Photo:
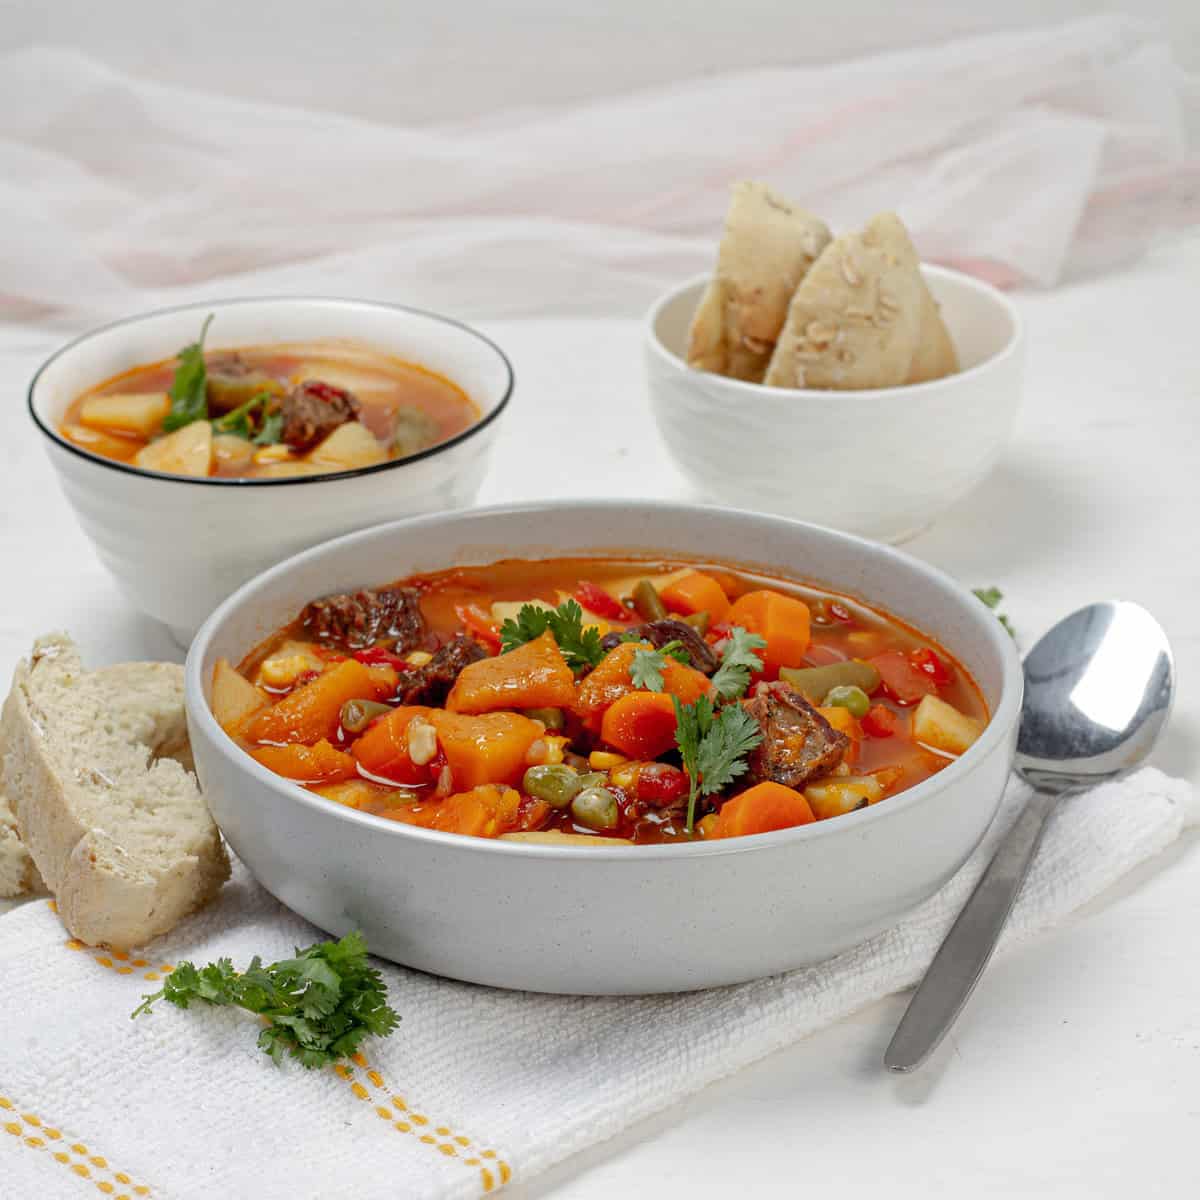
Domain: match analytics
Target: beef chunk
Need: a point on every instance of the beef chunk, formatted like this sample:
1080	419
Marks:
312	411
798	743
659	633
431	683
360	619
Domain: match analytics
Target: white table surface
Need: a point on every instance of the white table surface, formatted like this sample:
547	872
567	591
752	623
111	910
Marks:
1076	1069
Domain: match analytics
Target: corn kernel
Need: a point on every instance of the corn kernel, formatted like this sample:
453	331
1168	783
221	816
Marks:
603	760
418	658
284	671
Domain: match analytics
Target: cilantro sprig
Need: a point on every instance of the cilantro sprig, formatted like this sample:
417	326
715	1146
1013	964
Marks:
712	746
189	388
991	596
738	663
580	646
239	422
646	667
321	1004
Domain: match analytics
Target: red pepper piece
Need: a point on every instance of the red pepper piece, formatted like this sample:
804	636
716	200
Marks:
932	664
900	680
880	722
597	600
660	784
377	656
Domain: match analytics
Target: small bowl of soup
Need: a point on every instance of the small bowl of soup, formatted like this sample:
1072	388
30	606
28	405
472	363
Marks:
199	445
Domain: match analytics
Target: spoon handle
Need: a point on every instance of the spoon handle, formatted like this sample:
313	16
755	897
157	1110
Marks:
954	972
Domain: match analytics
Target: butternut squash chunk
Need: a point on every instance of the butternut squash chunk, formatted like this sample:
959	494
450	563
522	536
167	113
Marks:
534	675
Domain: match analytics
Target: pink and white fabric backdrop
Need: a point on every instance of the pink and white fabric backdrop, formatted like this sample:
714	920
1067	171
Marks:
1025	157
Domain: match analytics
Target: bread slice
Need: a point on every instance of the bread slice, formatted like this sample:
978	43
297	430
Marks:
18	875
768	246
855	320
115	823
935	354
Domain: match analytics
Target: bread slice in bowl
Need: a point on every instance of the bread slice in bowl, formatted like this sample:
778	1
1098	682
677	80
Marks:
768	246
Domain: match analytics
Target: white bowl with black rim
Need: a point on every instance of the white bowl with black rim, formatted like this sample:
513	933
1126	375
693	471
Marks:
607	919
176	545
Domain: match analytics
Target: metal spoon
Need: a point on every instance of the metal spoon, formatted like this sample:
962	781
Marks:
1098	690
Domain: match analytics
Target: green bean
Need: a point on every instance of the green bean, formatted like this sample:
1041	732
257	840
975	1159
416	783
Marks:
596	807
648	602
852	698
817	682
552	718
555	783
358	714
698	621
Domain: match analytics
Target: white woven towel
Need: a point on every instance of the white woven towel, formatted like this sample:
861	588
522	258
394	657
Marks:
476	1087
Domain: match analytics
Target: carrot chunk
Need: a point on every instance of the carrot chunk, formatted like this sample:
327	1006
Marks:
843	720
320	763
784	621
534	675
313	710
762	808
696	592
640	724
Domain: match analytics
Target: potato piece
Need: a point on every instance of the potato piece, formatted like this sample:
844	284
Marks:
508	610
232	453
348	447
289	470
234	697
942	727
187	451
833	797
555	837
137	412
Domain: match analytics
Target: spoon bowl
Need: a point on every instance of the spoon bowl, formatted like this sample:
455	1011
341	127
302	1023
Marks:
1098	691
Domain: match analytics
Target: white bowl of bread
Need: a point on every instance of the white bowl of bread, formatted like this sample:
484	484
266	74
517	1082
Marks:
833	379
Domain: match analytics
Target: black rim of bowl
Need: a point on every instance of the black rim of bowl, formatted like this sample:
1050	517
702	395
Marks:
214	481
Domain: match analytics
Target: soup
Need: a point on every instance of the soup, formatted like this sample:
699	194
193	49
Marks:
268	412
587	702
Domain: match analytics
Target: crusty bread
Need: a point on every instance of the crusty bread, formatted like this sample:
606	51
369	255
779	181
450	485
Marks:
18	875
854	321
767	247
935	354
116	825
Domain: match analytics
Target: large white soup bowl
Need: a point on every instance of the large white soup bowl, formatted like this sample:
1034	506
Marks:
618	918
177	546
